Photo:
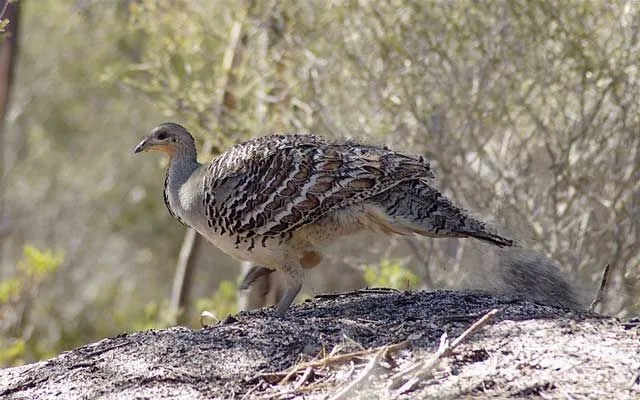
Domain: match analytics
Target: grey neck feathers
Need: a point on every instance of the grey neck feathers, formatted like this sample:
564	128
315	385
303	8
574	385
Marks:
181	167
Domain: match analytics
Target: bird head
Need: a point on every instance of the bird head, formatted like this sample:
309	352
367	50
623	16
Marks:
169	138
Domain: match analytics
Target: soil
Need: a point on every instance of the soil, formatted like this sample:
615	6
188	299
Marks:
373	343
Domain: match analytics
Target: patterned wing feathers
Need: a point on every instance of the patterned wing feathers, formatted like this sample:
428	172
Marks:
289	181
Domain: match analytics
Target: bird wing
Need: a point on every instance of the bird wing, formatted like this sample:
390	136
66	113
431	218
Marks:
276	184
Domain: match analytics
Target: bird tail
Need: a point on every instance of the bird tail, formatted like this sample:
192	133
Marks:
415	207
479	230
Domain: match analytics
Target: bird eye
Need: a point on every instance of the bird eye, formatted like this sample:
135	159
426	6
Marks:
162	136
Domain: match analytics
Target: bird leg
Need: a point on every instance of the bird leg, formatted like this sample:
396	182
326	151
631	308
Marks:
294	281
287	299
254	273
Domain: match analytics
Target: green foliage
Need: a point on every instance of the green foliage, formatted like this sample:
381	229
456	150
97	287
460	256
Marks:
37	264
16	295
179	47
154	316
223	302
390	274
34	266
11	352
10	289
31	270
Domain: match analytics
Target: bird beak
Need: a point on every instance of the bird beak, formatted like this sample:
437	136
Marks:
141	146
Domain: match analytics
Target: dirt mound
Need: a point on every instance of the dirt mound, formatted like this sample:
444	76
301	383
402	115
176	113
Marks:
370	343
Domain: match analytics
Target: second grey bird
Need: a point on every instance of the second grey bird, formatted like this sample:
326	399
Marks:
279	200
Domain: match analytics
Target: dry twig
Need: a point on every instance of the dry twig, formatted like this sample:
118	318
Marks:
355	293
366	372
328	360
426	367
603	285
303	378
445	349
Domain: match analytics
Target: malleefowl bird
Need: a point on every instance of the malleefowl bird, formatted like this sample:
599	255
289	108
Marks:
279	200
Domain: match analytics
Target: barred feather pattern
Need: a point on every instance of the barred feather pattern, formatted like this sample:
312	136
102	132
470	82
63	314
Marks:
273	185
415	207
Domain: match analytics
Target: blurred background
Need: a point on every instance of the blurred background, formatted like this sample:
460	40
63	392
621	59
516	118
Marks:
528	109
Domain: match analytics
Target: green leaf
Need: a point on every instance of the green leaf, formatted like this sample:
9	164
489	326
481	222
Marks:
390	274
10	289
37	263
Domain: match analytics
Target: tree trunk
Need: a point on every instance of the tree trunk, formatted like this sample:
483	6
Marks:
8	56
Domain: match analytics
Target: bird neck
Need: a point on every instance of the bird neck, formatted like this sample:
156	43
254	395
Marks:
181	165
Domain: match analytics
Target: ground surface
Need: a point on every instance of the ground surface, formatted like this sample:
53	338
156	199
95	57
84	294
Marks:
351	346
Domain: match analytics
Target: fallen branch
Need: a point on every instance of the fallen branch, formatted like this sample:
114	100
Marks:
424	368
355	292
329	360
473	328
363	375
303	378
